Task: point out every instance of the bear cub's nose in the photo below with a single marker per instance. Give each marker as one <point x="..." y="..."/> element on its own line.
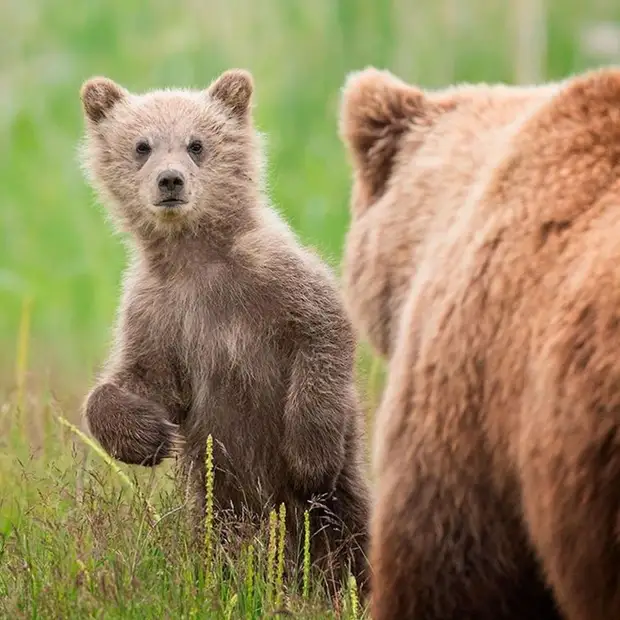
<point x="170" y="182"/>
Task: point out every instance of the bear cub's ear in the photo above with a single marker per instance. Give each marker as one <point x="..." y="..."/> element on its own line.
<point x="99" y="95"/>
<point x="234" y="89"/>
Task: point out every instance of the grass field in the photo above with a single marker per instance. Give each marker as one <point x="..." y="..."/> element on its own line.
<point x="76" y="546"/>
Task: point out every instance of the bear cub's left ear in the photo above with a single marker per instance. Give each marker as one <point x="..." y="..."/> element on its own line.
<point x="99" y="95"/>
<point x="234" y="89"/>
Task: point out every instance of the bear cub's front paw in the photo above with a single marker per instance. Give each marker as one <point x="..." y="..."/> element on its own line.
<point x="314" y="466"/>
<point x="130" y="428"/>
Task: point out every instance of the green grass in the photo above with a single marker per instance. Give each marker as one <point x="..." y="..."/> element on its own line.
<point x="106" y="545"/>
<point x="79" y="544"/>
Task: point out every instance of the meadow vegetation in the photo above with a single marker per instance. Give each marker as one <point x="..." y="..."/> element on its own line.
<point x="83" y="537"/>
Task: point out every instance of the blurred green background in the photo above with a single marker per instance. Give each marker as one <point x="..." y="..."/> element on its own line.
<point x="56" y="247"/>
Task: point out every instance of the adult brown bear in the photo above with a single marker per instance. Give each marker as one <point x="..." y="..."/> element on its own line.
<point x="483" y="261"/>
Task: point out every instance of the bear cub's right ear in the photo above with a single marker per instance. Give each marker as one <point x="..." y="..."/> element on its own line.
<point x="99" y="95"/>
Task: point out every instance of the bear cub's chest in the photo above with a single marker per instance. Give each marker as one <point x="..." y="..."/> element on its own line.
<point x="229" y="333"/>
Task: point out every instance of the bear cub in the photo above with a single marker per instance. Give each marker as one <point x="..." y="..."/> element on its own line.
<point x="227" y="326"/>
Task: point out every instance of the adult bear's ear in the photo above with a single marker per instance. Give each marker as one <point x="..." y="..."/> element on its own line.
<point x="233" y="89"/>
<point x="376" y="109"/>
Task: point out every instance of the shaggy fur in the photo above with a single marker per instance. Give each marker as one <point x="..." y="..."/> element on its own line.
<point x="483" y="262"/>
<point x="227" y="324"/>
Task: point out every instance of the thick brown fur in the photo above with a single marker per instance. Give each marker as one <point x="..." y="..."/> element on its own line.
<point x="483" y="261"/>
<point x="227" y="325"/>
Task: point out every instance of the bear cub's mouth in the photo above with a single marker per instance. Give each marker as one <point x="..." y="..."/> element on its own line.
<point x="171" y="202"/>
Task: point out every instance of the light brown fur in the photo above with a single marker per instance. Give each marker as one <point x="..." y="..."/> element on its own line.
<point x="227" y="324"/>
<point x="483" y="261"/>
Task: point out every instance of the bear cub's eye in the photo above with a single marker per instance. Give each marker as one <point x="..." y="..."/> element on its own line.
<point x="195" y="147"/>
<point x="143" y="148"/>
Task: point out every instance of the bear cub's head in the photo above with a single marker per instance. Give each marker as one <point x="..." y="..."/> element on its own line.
<point x="168" y="159"/>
